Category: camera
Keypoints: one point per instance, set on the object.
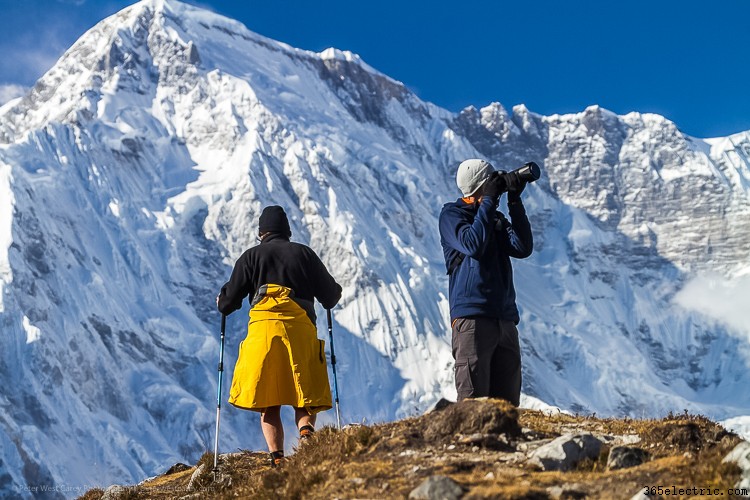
(529, 172)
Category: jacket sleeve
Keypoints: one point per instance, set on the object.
(327, 290)
(468, 238)
(515, 236)
(238, 287)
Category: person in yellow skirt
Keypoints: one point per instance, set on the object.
(281, 361)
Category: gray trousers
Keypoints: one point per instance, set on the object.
(488, 359)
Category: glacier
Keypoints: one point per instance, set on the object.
(132, 176)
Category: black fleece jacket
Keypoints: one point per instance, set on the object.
(278, 261)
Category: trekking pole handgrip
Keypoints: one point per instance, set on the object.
(223, 329)
(330, 335)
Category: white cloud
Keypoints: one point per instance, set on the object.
(10, 91)
(727, 300)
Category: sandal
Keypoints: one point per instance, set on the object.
(306, 432)
(276, 458)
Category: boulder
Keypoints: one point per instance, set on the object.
(740, 455)
(116, 492)
(622, 457)
(195, 478)
(473, 416)
(440, 405)
(178, 467)
(438, 488)
(566, 451)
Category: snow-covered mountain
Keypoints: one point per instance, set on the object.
(132, 176)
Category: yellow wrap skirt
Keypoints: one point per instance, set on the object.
(281, 361)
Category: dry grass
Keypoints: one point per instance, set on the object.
(389, 460)
(93, 494)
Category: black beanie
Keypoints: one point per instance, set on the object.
(273, 220)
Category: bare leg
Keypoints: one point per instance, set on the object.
(273, 430)
(302, 418)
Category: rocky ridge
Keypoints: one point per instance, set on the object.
(478, 449)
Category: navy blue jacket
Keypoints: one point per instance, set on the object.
(482, 284)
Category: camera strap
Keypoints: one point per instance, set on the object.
(455, 263)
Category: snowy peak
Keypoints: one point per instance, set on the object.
(733, 166)
(113, 50)
(155, 44)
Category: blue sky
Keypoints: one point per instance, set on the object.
(687, 60)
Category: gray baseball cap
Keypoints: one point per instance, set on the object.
(471, 175)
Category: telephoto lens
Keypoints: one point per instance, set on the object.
(517, 178)
(530, 172)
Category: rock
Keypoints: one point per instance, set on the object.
(532, 435)
(440, 405)
(566, 451)
(492, 441)
(555, 491)
(473, 416)
(178, 467)
(641, 495)
(628, 439)
(192, 485)
(622, 457)
(438, 488)
(473, 439)
(115, 492)
(740, 455)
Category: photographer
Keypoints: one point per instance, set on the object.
(478, 243)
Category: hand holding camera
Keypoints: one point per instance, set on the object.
(496, 185)
(516, 180)
(513, 182)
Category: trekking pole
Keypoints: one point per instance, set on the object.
(218, 396)
(333, 363)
